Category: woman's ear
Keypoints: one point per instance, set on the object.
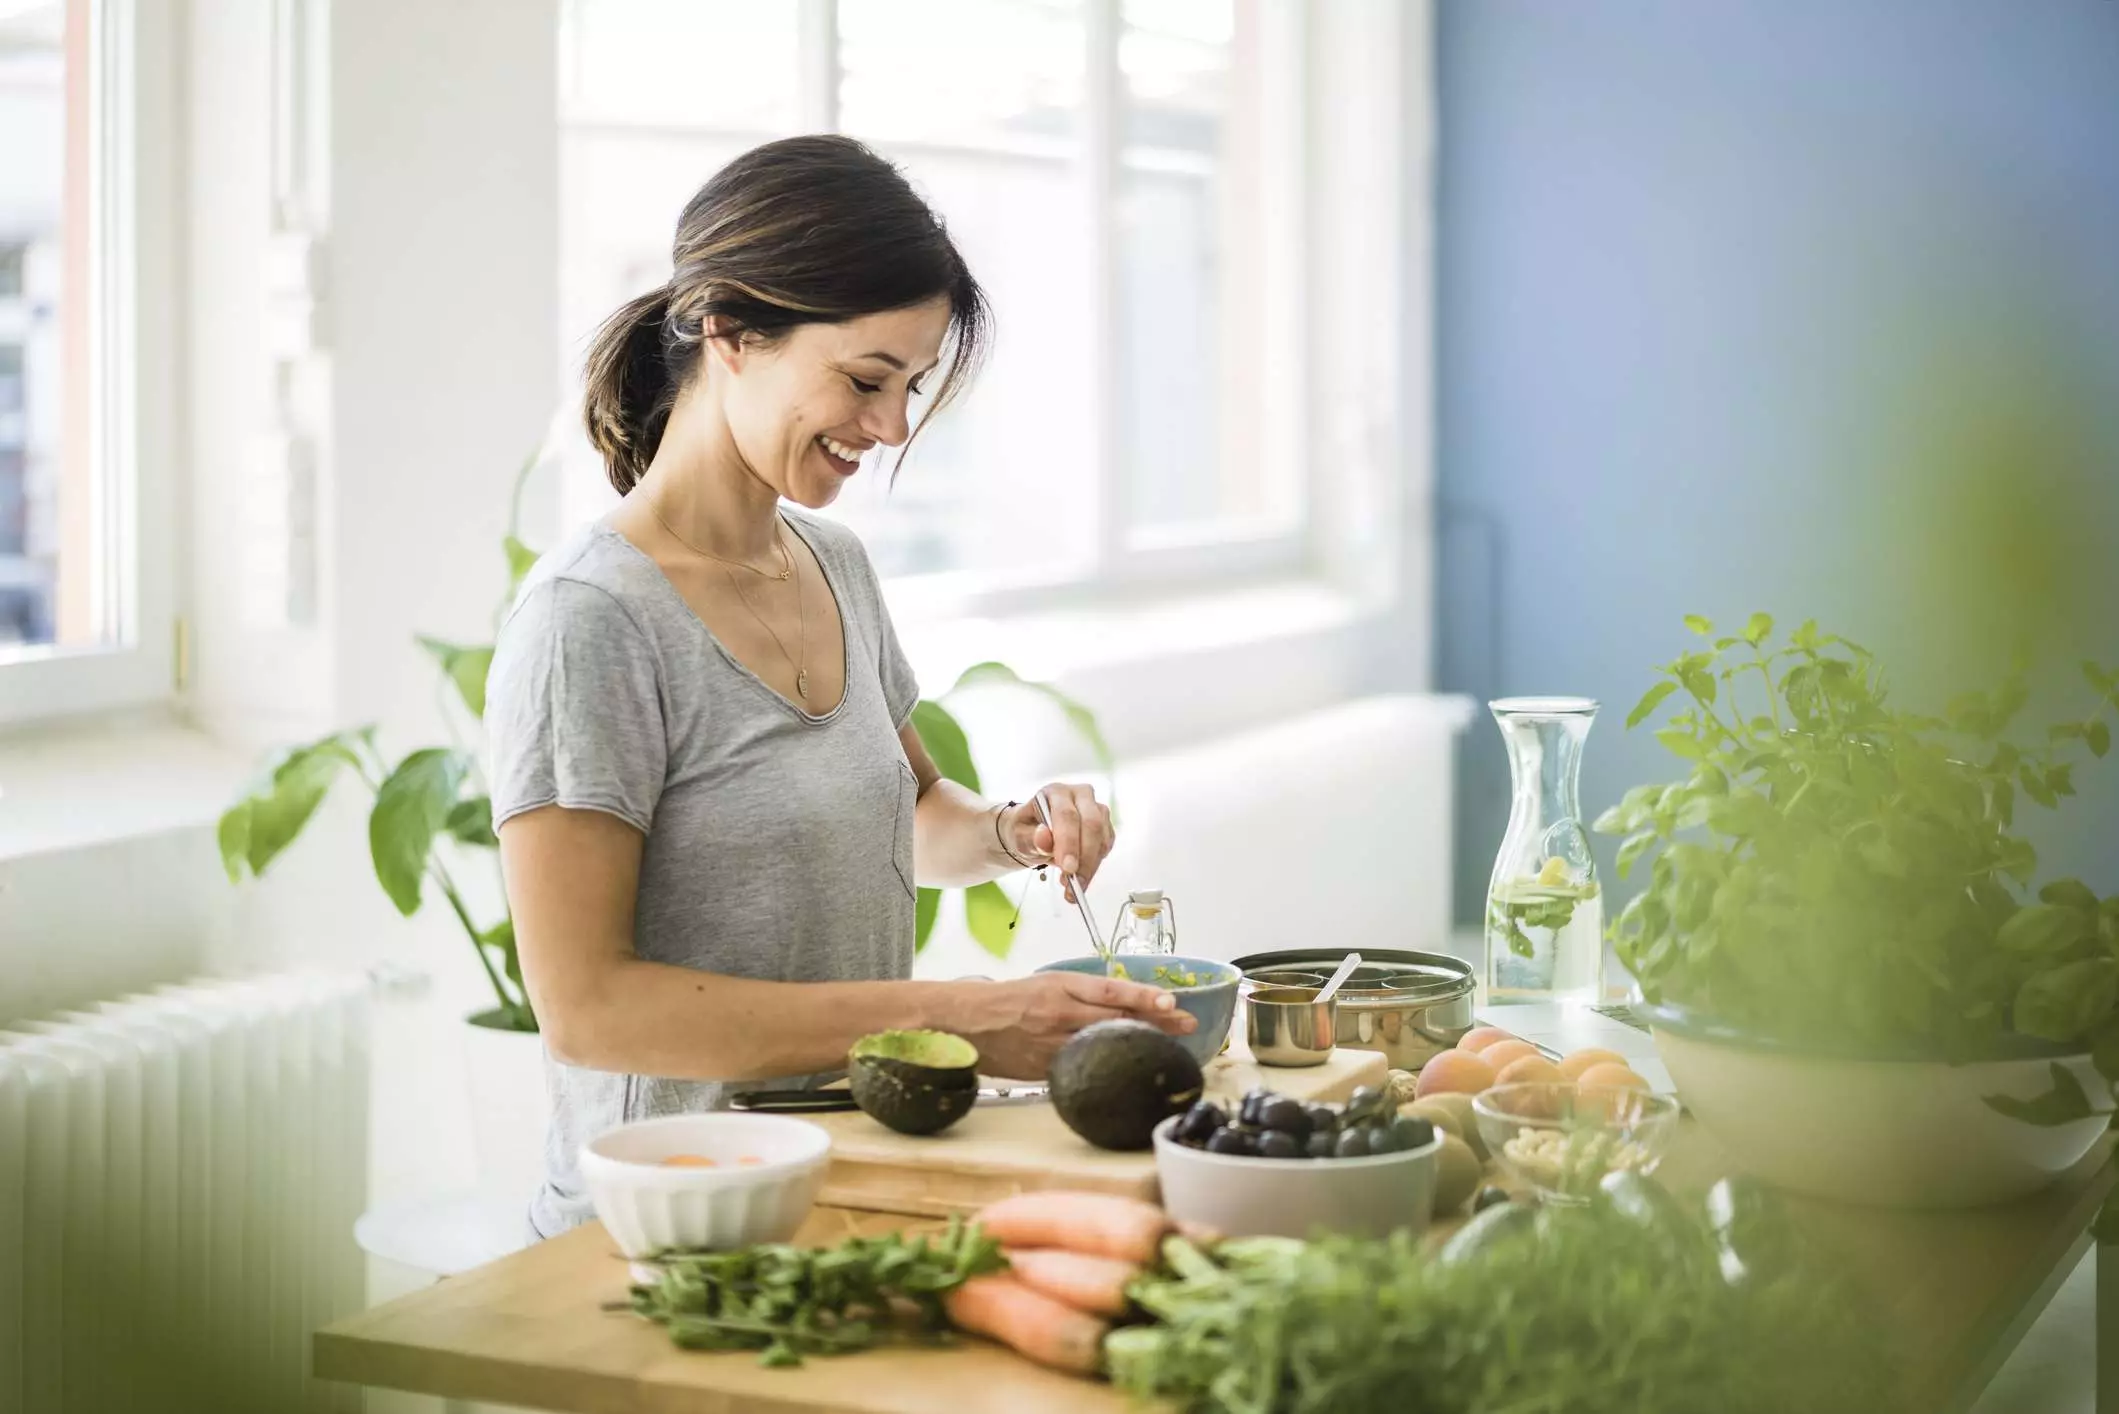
(724, 342)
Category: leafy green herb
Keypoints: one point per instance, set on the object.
(789, 1302)
(1834, 868)
(1578, 1310)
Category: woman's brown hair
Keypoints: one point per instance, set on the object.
(806, 230)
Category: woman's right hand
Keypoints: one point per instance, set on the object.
(1019, 1026)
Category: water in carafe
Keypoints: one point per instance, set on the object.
(1544, 909)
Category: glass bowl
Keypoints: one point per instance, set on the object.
(1560, 1141)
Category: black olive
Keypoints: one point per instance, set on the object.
(1286, 1116)
(1278, 1144)
(1323, 1118)
(1352, 1143)
(1232, 1141)
(1253, 1102)
(1322, 1142)
(1488, 1197)
(1412, 1132)
(1200, 1122)
(1382, 1139)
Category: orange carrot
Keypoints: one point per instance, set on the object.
(1093, 1284)
(1028, 1322)
(1100, 1224)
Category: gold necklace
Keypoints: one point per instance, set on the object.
(799, 660)
(787, 559)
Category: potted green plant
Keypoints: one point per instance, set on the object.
(1848, 977)
(431, 818)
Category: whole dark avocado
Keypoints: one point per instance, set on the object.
(916, 1082)
(1116, 1080)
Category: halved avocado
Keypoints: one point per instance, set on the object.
(916, 1082)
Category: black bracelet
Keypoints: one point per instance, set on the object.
(1002, 841)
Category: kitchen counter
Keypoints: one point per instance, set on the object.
(1954, 1291)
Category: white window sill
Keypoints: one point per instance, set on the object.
(90, 782)
(1065, 643)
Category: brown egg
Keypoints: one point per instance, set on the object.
(1503, 1054)
(1579, 1061)
(1455, 1072)
(1480, 1037)
(1530, 1070)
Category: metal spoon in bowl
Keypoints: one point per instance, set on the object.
(1346, 970)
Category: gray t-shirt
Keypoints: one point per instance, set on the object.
(778, 844)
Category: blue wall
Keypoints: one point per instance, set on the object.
(1809, 306)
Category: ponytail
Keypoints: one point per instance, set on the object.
(631, 386)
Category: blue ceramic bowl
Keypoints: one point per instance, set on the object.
(1213, 1001)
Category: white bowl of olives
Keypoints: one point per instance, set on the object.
(1290, 1168)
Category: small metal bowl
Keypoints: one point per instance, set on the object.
(1289, 1027)
(1271, 977)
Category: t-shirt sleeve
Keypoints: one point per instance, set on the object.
(901, 690)
(574, 708)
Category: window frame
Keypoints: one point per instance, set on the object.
(1127, 561)
(134, 299)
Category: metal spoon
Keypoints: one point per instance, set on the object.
(1081, 893)
(1346, 970)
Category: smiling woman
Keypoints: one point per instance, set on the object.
(707, 788)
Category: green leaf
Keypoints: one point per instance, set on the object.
(2096, 676)
(233, 834)
(1078, 715)
(2070, 893)
(990, 917)
(927, 906)
(1681, 743)
(2099, 737)
(2104, 1050)
(274, 817)
(2044, 930)
(466, 667)
(1650, 700)
(2018, 860)
(2060, 780)
(411, 808)
(1700, 625)
(471, 820)
(2067, 1003)
(2035, 786)
(521, 558)
(2063, 1104)
(944, 739)
(1630, 851)
(1700, 683)
(1805, 635)
(1757, 629)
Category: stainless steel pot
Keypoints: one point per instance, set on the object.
(1411, 1006)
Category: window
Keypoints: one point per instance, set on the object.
(1126, 177)
(76, 577)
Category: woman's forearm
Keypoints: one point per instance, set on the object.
(955, 844)
(652, 1018)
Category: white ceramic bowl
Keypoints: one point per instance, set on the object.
(1243, 1197)
(649, 1207)
(1888, 1133)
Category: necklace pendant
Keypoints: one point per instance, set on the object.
(802, 686)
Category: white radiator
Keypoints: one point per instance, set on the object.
(179, 1176)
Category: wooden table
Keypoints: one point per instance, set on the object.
(1953, 1293)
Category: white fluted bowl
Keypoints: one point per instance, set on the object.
(649, 1207)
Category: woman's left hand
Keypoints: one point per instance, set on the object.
(1079, 838)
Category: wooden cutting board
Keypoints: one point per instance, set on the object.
(1005, 1148)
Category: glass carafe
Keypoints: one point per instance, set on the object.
(1544, 911)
